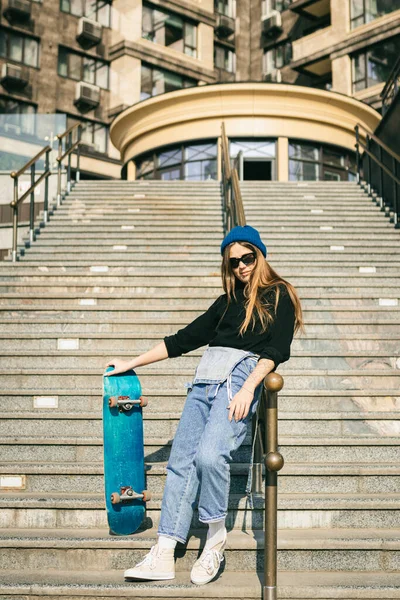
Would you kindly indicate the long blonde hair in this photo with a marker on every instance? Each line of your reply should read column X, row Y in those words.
column 263, row 278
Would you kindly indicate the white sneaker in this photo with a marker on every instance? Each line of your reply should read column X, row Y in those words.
column 157, row 564
column 207, row 566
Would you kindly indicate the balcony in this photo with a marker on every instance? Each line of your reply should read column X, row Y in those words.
column 272, row 25
column 313, row 9
column 18, row 10
column 87, row 96
column 89, row 32
column 14, row 76
column 225, row 26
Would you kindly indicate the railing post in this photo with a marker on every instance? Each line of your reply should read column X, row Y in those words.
column 78, row 155
column 358, row 177
column 273, row 460
column 369, row 166
column 46, row 189
column 59, row 172
column 69, row 164
column 380, row 178
column 15, row 221
column 395, row 195
column 32, row 207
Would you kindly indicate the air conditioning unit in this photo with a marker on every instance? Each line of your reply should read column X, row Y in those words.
column 225, row 26
column 87, row 94
column 18, row 9
column 273, row 76
column 89, row 32
column 272, row 24
column 14, row 75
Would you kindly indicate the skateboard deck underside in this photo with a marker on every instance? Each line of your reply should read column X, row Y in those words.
column 123, row 453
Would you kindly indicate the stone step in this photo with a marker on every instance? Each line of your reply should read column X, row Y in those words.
column 161, row 424
column 294, row 404
column 199, row 301
column 310, row 585
column 177, row 276
column 345, row 450
column 319, row 550
column 78, row 208
column 75, row 478
column 48, row 509
column 130, row 344
column 85, row 287
column 166, row 315
column 75, row 327
column 126, row 259
column 74, row 359
column 142, row 232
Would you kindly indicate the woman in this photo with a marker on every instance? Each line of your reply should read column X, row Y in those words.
column 249, row 330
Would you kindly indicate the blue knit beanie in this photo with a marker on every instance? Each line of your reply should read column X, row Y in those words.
column 244, row 234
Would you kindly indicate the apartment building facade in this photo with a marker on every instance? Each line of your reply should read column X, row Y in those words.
column 93, row 60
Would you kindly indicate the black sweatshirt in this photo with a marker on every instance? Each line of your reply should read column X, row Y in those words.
column 274, row 344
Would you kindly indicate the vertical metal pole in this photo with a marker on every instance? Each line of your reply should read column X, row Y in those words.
column 59, row 172
column 369, row 166
column 32, row 206
column 78, row 155
column 273, row 463
column 69, row 164
column 46, row 189
column 358, row 178
column 380, row 177
column 395, row 196
column 15, row 221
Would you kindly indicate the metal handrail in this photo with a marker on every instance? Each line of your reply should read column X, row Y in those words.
column 386, row 199
column 17, row 200
column 391, row 87
column 31, row 191
column 265, row 425
column 233, row 203
column 70, row 147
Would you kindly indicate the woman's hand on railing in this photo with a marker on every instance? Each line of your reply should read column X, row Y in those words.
column 240, row 405
column 120, row 366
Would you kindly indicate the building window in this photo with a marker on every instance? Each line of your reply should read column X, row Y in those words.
column 268, row 6
column 224, row 59
column 190, row 162
column 365, row 11
column 277, row 57
column 82, row 68
column 98, row 10
column 319, row 162
column 225, row 7
column 159, row 81
column 19, row 48
column 170, row 30
column 94, row 134
column 374, row 64
column 22, row 120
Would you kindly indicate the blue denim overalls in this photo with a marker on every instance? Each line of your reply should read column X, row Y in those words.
column 204, row 441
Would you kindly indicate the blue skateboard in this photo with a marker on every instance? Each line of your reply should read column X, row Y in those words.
column 124, row 476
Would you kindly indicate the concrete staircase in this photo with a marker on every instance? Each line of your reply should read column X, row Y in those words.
column 120, row 266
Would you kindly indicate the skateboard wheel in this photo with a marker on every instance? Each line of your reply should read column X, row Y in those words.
column 143, row 401
column 112, row 402
column 146, row 495
column 115, row 498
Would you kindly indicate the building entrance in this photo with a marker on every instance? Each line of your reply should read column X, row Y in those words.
column 257, row 170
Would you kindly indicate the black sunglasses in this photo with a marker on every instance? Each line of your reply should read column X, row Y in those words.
column 246, row 259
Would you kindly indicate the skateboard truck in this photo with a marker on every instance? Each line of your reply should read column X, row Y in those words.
column 127, row 493
column 125, row 403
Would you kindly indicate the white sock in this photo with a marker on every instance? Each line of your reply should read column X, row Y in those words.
column 216, row 533
column 166, row 542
